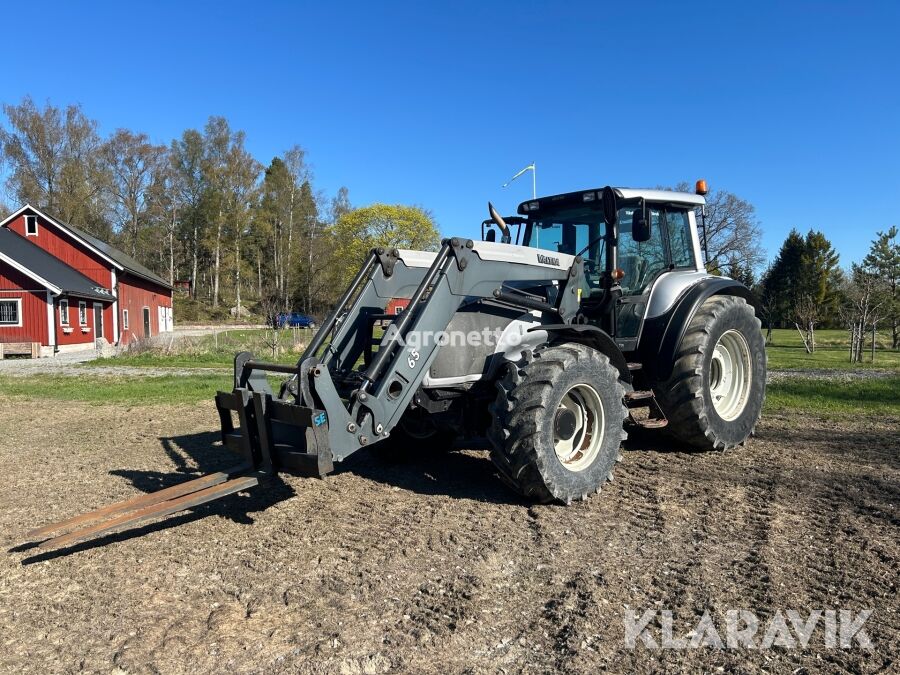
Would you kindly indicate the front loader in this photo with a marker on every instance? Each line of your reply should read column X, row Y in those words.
column 602, row 318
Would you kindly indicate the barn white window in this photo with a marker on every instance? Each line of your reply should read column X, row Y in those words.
column 124, row 319
column 11, row 312
column 82, row 313
column 63, row 312
column 31, row 226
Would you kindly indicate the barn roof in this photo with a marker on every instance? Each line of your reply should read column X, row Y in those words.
column 128, row 263
column 48, row 270
column 112, row 255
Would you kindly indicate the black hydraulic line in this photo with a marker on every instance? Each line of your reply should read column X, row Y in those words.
column 523, row 301
column 271, row 367
column 381, row 357
column 326, row 327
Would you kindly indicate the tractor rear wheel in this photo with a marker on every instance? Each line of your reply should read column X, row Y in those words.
column 557, row 428
column 715, row 394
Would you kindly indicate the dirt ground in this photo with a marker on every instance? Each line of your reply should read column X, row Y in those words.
column 432, row 566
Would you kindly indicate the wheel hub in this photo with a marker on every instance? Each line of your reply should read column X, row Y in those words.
column 578, row 427
column 565, row 424
column 730, row 375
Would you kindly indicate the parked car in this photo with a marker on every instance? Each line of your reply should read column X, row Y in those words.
column 295, row 320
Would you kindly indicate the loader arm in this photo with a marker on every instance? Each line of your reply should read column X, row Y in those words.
column 356, row 407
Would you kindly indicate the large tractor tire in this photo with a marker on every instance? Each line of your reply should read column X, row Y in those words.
column 714, row 397
column 558, row 424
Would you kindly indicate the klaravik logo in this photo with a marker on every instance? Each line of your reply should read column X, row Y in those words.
column 547, row 260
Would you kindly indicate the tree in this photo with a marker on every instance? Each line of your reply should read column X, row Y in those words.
column 340, row 204
column 732, row 230
column 389, row 225
column 230, row 175
column 186, row 159
column 55, row 163
column 289, row 218
column 864, row 308
column 883, row 260
column 814, row 299
column 132, row 165
column 740, row 272
column 781, row 279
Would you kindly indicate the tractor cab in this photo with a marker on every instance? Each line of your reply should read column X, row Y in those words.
column 627, row 238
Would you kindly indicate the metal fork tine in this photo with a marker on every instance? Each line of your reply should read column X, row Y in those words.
column 140, row 501
column 154, row 511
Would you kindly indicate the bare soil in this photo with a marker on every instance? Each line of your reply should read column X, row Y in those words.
column 432, row 566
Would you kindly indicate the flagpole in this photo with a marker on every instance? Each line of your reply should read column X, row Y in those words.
column 534, row 180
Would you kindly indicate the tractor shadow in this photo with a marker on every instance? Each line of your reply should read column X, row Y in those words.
column 464, row 472
column 194, row 455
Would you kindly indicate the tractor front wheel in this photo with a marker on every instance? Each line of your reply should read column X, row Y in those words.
column 558, row 424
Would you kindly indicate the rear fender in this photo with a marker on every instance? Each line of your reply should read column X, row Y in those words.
column 661, row 335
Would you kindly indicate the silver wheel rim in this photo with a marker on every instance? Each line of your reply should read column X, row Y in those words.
column 730, row 375
column 581, row 449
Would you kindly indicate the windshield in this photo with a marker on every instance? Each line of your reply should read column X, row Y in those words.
column 580, row 231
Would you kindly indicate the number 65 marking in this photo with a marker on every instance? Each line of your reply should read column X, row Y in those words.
column 413, row 358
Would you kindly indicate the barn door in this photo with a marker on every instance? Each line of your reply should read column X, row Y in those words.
column 146, row 322
column 98, row 321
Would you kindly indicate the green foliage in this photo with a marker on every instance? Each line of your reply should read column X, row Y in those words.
column 388, row 225
column 54, row 159
column 804, row 279
column 739, row 271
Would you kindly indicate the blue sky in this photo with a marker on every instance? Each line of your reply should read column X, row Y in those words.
column 793, row 106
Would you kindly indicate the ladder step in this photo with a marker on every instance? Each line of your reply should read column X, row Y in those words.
column 651, row 423
column 640, row 395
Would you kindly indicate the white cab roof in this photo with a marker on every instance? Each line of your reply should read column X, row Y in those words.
column 660, row 196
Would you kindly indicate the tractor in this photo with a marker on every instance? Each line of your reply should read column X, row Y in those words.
column 595, row 316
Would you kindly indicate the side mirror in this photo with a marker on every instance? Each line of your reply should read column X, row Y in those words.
column 491, row 235
column 640, row 223
column 610, row 208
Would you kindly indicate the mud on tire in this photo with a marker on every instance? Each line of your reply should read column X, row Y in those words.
column 687, row 396
column 525, row 431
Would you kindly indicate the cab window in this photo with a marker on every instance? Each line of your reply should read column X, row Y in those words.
column 641, row 261
column 680, row 243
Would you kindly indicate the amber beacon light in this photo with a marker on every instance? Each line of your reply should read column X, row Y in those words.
column 701, row 188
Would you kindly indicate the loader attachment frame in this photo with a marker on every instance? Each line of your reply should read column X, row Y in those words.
column 328, row 408
column 338, row 408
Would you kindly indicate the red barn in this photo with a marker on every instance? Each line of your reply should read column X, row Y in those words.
column 63, row 288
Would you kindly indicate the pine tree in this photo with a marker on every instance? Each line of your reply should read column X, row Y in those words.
column 884, row 260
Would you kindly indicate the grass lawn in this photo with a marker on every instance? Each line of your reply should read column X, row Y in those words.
column 214, row 351
column 874, row 396
column 832, row 352
column 119, row 390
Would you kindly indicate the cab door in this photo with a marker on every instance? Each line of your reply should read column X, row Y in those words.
column 669, row 248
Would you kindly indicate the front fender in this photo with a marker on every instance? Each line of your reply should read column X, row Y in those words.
column 591, row 336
